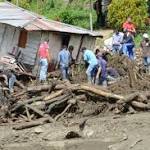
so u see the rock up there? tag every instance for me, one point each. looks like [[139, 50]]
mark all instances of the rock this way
[[88, 132], [38, 130]]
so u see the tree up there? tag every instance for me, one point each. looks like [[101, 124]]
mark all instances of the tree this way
[[100, 7], [119, 10]]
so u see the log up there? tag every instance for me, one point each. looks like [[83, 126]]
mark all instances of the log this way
[[56, 103], [140, 105], [24, 102], [59, 98], [31, 124], [53, 95], [39, 112], [99, 92], [19, 84], [28, 114], [37, 89], [65, 110]]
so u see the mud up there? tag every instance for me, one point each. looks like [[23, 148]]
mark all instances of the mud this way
[[113, 132]]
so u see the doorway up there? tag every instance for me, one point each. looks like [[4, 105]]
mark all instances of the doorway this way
[[65, 39]]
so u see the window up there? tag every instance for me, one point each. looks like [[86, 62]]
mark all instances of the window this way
[[22, 39]]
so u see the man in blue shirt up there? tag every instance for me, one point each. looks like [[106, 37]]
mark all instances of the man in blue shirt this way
[[90, 58], [64, 60]]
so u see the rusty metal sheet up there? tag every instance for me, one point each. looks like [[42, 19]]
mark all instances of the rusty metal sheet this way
[[19, 17]]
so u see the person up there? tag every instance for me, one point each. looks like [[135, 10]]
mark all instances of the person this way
[[90, 58], [10, 79], [72, 63], [101, 75], [128, 45], [128, 26], [145, 45], [44, 60], [71, 48], [117, 39], [64, 60]]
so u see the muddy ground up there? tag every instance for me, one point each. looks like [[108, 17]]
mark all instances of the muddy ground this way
[[113, 132]]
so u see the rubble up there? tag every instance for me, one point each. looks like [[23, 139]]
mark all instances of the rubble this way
[[34, 104]]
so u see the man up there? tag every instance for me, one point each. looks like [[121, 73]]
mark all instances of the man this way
[[101, 75], [71, 48], [64, 60], [117, 41], [128, 45], [90, 58], [44, 60], [145, 45], [129, 26], [72, 63]]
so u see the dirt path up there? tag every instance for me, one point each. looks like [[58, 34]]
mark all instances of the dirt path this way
[[106, 34], [110, 133]]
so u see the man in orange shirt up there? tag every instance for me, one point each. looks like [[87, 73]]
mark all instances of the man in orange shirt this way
[[44, 60], [128, 26]]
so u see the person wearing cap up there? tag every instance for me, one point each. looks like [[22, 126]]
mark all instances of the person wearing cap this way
[[145, 45], [90, 58], [44, 57]]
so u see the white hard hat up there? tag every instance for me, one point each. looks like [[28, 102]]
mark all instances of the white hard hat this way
[[146, 36]]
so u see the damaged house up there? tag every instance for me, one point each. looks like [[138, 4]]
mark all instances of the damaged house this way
[[23, 31]]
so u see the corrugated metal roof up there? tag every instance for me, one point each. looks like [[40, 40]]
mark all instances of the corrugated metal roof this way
[[19, 17]]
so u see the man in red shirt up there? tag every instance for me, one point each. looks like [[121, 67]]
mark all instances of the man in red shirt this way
[[129, 26], [44, 60]]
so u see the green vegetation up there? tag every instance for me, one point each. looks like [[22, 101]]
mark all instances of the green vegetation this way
[[76, 12], [119, 10]]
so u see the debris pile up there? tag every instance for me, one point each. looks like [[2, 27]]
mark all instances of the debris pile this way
[[36, 104]]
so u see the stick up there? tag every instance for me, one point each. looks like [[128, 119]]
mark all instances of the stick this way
[[31, 124], [39, 112], [28, 114], [65, 110]]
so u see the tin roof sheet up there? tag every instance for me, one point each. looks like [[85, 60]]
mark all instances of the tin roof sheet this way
[[19, 17]]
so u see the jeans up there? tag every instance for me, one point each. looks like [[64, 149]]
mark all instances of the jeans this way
[[64, 72], [43, 69], [11, 82], [116, 48], [128, 50], [147, 63], [89, 72]]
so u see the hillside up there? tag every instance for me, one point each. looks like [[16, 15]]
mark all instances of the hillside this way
[[75, 12]]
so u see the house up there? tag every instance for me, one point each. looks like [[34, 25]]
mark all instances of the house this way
[[21, 30]]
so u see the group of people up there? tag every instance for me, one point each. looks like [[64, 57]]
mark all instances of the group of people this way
[[97, 71], [123, 43]]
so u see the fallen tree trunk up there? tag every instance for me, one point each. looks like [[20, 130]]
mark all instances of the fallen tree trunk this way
[[37, 89], [31, 124], [53, 95], [24, 102], [140, 105], [100, 92]]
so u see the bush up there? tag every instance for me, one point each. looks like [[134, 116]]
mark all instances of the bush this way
[[119, 10], [23, 3]]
